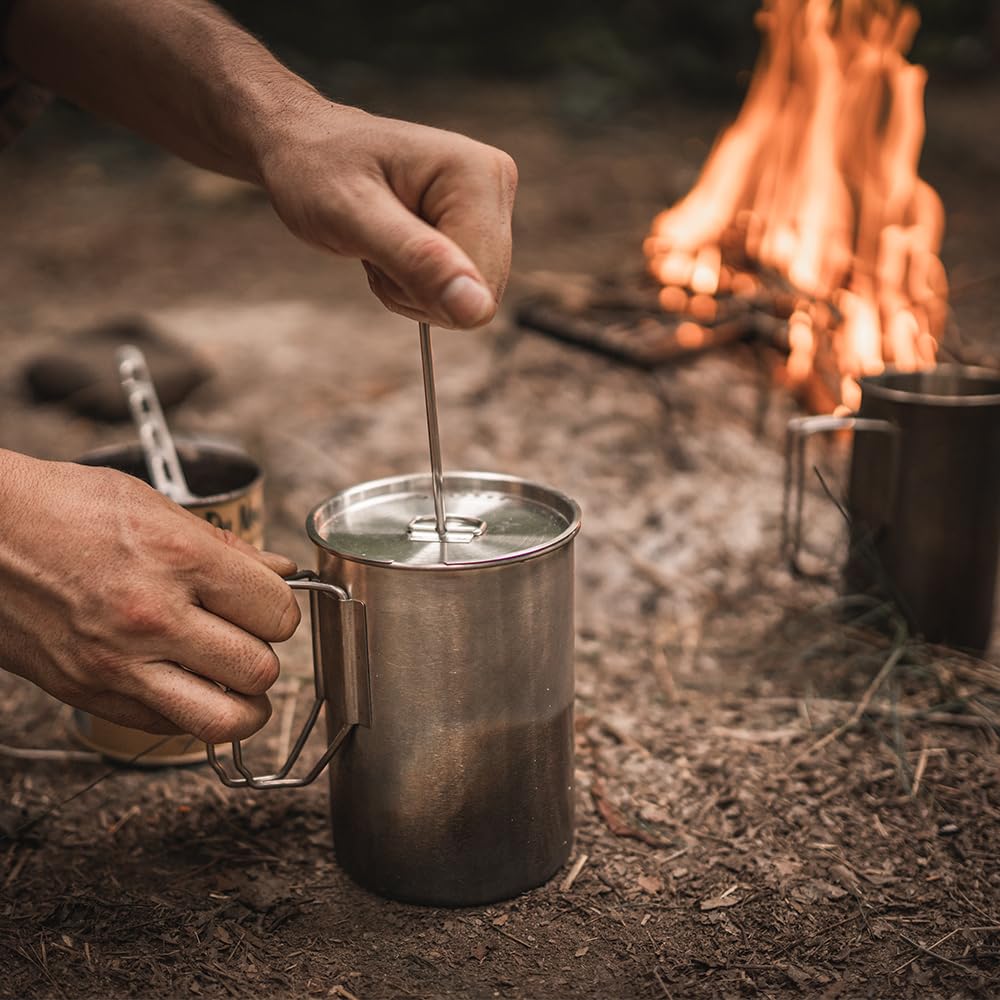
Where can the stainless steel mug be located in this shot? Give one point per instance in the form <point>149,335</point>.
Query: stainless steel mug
<point>447,672</point>
<point>923,498</point>
<point>229,485</point>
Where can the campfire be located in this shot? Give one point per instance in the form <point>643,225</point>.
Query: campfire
<point>809,225</point>
<point>813,193</point>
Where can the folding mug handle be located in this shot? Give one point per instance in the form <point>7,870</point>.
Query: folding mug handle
<point>799,430</point>
<point>348,623</point>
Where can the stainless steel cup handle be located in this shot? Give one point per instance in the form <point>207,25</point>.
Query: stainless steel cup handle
<point>351,636</point>
<point>799,431</point>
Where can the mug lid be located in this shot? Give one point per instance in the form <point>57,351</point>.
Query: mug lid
<point>491,519</point>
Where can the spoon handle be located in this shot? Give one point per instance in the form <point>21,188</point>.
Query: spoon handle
<point>164,466</point>
<point>433,433</point>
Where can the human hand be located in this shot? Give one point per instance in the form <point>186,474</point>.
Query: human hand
<point>427,211</point>
<point>121,603</point>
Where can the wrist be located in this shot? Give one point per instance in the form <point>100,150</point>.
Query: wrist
<point>13,469</point>
<point>267,114</point>
<point>20,485</point>
<point>318,136</point>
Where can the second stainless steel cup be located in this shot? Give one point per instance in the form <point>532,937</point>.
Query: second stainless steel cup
<point>923,499</point>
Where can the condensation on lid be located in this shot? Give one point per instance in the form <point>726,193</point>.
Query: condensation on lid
<point>369,522</point>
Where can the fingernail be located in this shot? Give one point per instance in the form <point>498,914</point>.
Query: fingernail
<point>467,302</point>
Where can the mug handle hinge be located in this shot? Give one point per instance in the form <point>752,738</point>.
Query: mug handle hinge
<point>344,638</point>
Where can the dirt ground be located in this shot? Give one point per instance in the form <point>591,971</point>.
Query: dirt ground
<point>755,817</point>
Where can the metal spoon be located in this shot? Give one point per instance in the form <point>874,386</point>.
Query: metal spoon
<point>164,466</point>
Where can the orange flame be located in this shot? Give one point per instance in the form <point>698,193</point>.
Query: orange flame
<point>815,187</point>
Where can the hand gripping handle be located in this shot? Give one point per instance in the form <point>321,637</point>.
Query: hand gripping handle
<point>339,639</point>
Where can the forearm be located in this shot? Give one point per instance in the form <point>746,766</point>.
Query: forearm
<point>178,72</point>
<point>427,211</point>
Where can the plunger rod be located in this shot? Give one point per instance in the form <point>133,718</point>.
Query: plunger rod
<point>433,433</point>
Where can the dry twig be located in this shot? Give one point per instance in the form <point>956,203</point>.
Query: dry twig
<point>513,937</point>
<point>50,753</point>
<point>930,951</point>
<point>573,873</point>
<point>859,710</point>
<point>918,774</point>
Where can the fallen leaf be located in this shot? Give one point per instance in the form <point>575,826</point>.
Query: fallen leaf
<point>501,920</point>
<point>717,902</point>
<point>786,867</point>
<point>616,821</point>
<point>800,977</point>
<point>652,884</point>
<point>654,814</point>
<point>847,878</point>
<point>829,890</point>
<point>580,952</point>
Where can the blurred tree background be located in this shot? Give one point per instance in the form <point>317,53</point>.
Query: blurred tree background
<point>632,48</point>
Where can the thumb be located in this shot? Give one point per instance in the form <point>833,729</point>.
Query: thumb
<point>431,272</point>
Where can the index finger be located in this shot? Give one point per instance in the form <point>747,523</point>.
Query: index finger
<point>274,561</point>
<point>235,582</point>
<point>479,220</point>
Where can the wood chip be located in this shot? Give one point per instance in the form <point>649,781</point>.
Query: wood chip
<point>784,735</point>
<point>343,992</point>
